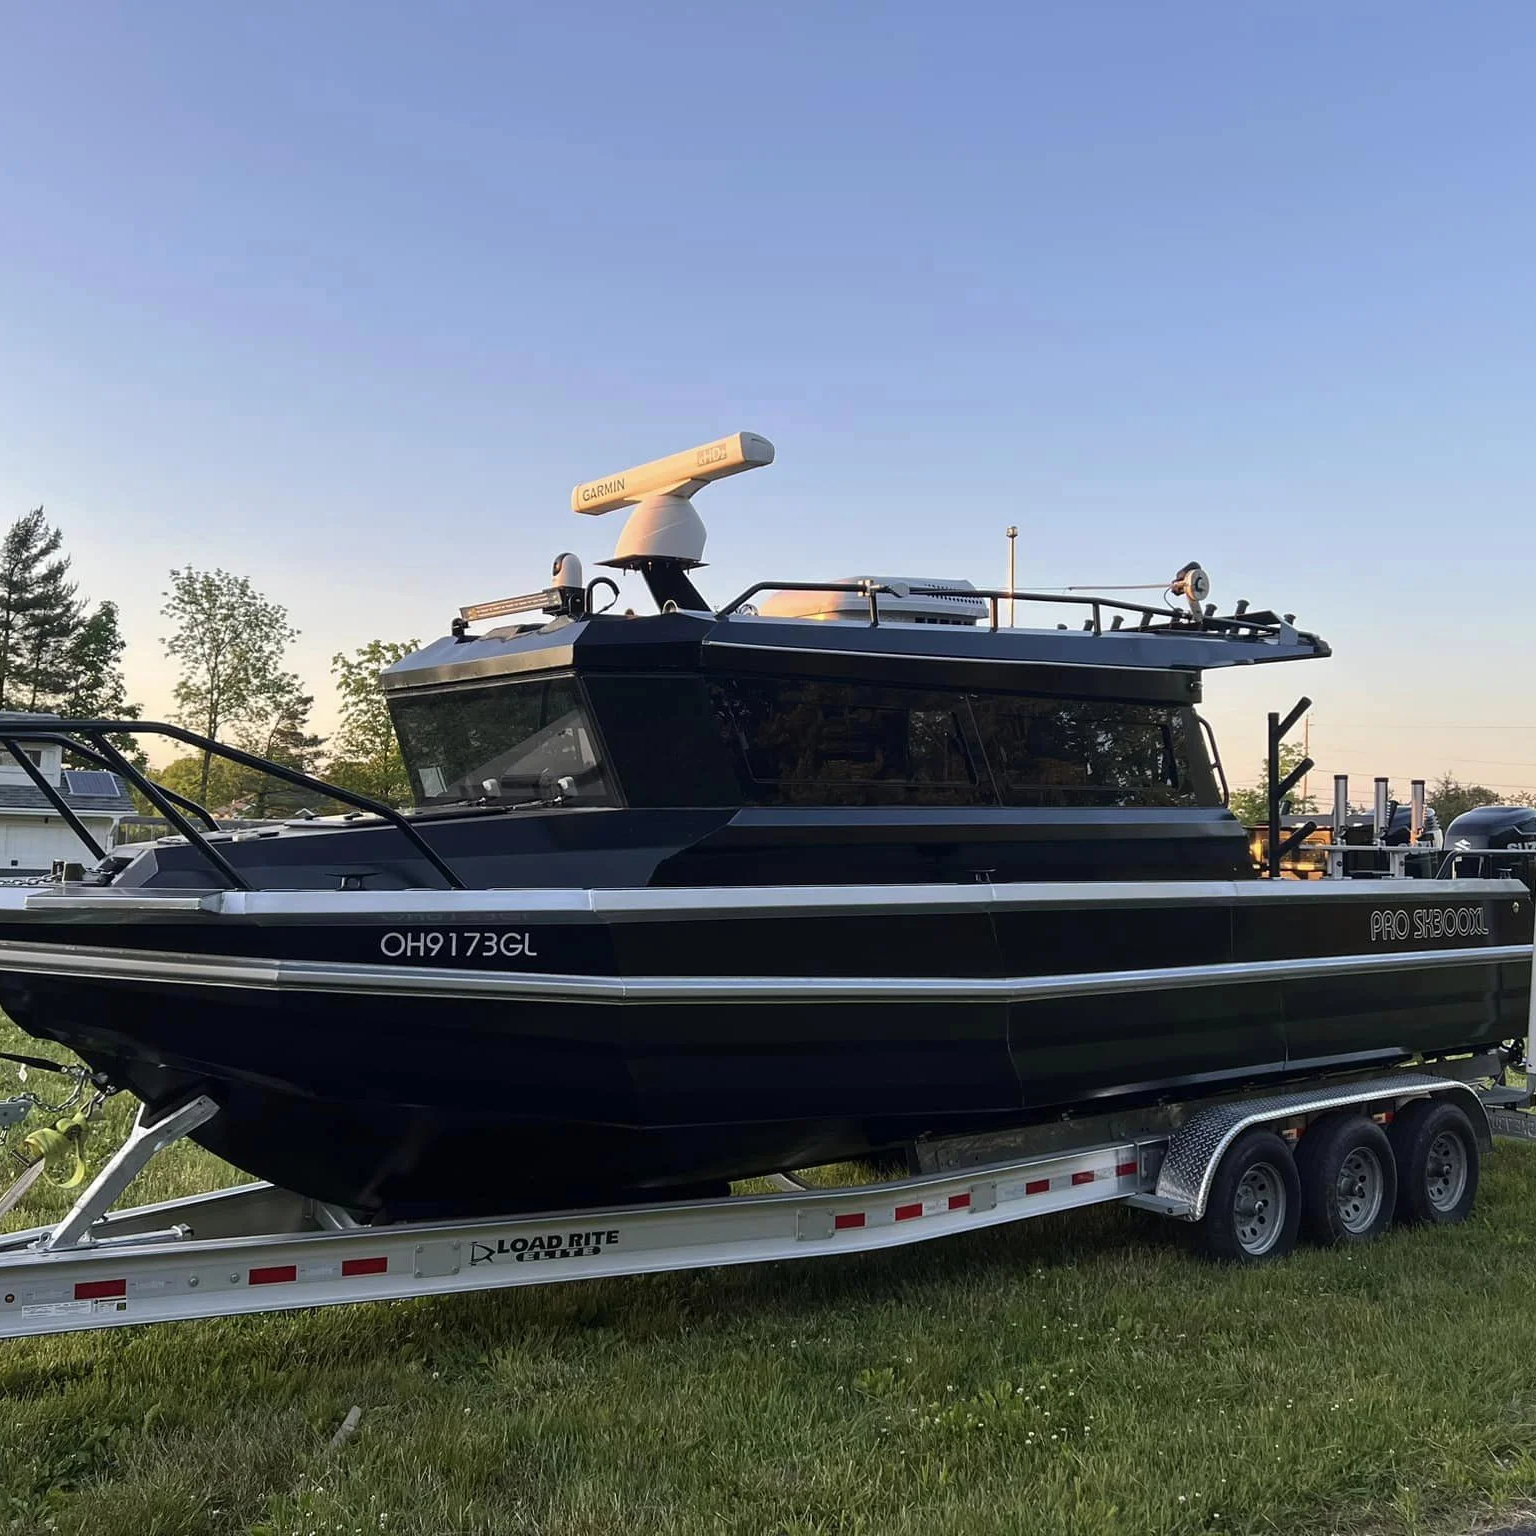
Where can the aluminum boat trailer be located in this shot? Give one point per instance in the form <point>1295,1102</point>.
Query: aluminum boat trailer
<point>1223,1164</point>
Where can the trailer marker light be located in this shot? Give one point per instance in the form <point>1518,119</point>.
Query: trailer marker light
<point>1037,1186</point>
<point>847,1220</point>
<point>907,1212</point>
<point>274,1274</point>
<point>1125,1170</point>
<point>960,1202</point>
<point>364,1266</point>
<point>99,1290</point>
<point>1085,1177</point>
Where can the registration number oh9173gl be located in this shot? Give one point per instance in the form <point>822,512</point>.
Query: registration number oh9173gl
<point>457,944</point>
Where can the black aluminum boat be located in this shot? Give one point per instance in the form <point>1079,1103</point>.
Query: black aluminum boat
<point>706,894</point>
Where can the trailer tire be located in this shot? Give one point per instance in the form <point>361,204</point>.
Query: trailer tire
<point>1348,1180</point>
<point>1254,1206</point>
<point>1438,1163</point>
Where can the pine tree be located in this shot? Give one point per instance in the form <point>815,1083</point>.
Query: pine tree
<point>39,614</point>
<point>93,684</point>
<point>94,687</point>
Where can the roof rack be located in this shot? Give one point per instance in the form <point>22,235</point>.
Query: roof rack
<point>1240,624</point>
<point>89,738</point>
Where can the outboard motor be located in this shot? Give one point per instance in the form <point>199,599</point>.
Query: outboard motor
<point>1497,841</point>
<point>1400,828</point>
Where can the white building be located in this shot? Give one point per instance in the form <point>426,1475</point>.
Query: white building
<point>33,834</point>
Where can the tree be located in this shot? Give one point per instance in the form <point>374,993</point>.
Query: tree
<point>1450,798</point>
<point>365,754</point>
<point>281,735</point>
<point>229,640</point>
<point>39,614</point>
<point>1251,806</point>
<point>93,683</point>
<point>185,775</point>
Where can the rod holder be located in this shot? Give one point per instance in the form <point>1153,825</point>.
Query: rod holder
<point>1416,811</point>
<point>1279,788</point>
<point>1340,806</point>
<point>1379,813</point>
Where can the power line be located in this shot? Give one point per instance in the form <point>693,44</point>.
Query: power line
<point>1526,788</point>
<point>1496,762</point>
<point>1417,721</point>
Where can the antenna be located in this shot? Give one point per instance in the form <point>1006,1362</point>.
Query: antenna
<point>1013,538</point>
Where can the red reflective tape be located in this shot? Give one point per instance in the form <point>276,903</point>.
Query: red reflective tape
<point>96,1290</point>
<point>275,1274</point>
<point>364,1266</point>
<point>848,1219</point>
<point>1122,1169</point>
<point>1037,1186</point>
<point>959,1202</point>
<point>907,1212</point>
<point>1082,1178</point>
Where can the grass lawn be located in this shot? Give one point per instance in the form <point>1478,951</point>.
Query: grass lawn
<point>1078,1375</point>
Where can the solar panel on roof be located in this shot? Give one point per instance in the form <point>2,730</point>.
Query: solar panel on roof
<point>91,781</point>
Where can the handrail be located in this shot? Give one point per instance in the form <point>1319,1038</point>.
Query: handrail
<point>95,732</point>
<point>90,754</point>
<point>157,798</point>
<point>1177,620</point>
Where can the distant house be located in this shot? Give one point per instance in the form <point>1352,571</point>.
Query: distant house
<point>33,834</point>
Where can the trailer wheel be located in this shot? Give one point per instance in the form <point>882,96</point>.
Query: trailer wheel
<point>1438,1162</point>
<point>1254,1206</point>
<point>1348,1180</point>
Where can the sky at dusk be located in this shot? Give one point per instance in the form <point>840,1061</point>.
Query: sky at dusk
<point>345,298</point>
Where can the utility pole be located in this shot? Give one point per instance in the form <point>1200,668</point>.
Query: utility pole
<point>1013,536</point>
<point>1306,752</point>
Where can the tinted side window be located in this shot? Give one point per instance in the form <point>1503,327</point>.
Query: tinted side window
<point>505,741</point>
<point>1084,752</point>
<point>805,742</point>
<point>660,729</point>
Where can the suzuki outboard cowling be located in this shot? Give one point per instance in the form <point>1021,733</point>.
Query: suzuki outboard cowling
<point>1495,841</point>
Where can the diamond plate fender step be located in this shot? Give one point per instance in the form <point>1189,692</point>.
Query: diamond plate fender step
<point>1184,1181</point>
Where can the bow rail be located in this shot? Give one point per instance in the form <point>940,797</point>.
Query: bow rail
<point>89,738</point>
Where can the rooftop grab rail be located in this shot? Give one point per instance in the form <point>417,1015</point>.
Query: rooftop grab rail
<point>1240,623</point>
<point>89,738</point>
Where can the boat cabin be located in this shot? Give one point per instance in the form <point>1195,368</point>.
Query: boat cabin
<point>860,696</point>
<point>857,692</point>
<point>693,710</point>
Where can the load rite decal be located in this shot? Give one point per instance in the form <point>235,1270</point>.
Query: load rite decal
<point>1389,923</point>
<point>546,1245</point>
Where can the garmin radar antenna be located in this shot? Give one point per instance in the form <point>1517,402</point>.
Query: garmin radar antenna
<point>664,537</point>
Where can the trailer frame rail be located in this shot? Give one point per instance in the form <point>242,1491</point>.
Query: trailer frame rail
<point>257,1248</point>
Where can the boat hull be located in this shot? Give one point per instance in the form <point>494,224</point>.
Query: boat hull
<point>515,1050</point>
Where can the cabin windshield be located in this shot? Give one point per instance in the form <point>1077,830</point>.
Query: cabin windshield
<point>519,744</point>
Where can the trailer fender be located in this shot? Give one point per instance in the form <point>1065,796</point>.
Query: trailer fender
<point>1197,1147</point>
